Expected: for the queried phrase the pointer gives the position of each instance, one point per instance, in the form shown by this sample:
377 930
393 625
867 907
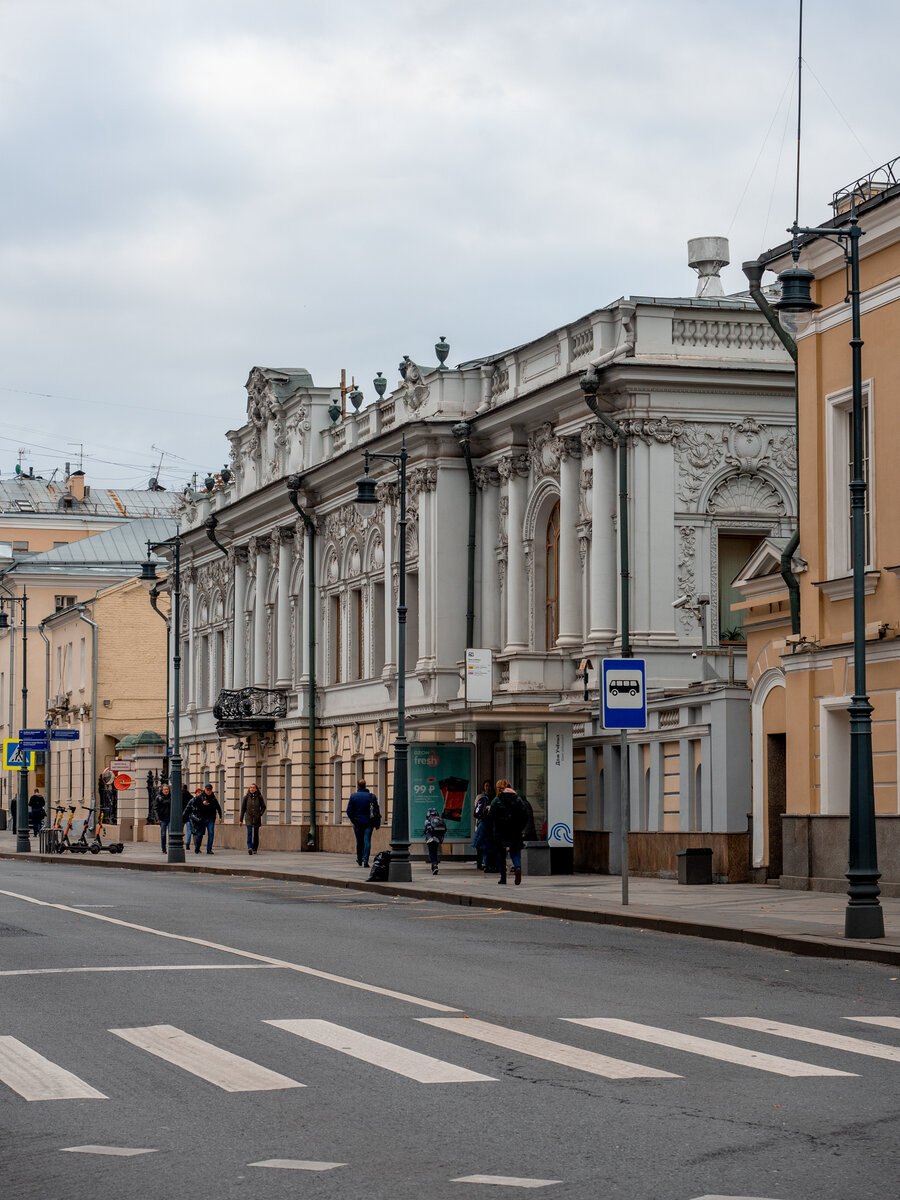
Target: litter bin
695 865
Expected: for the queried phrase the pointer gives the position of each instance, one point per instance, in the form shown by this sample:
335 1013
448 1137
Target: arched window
551 596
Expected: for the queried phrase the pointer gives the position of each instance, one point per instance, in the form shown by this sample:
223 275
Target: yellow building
91 579
802 680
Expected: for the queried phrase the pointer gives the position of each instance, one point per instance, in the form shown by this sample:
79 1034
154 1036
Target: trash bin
695 865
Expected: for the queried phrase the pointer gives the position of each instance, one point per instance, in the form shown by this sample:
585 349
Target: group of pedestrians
199 812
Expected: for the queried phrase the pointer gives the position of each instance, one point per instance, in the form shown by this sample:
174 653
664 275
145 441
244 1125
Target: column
239 624
489 609
285 555
260 625
570 626
189 574
514 469
301 630
387 493
604 554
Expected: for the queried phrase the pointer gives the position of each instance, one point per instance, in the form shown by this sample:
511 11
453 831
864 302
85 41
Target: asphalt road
642 1110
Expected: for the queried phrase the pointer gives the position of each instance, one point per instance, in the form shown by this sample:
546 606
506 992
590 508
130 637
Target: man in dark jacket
207 807
365 815
507 817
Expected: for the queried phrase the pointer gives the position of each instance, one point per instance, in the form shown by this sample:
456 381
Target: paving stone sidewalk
809 923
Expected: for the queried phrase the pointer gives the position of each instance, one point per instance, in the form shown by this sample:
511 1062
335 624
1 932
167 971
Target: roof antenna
799 111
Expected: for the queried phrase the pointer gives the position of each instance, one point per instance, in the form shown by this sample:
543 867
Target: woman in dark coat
252 808
163 813
507 818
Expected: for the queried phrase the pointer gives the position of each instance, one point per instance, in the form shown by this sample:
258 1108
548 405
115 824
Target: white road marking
227 1071
421 1067
262 958
36 1078
817 1037
296 1164
734 1198
884 1022
120 1151
721 1051
179 967
538 1047
506 1181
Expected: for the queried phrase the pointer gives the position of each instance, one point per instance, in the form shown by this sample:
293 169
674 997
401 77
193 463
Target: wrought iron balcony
250 710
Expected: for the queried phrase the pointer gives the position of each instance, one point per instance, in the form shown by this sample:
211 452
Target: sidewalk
809 923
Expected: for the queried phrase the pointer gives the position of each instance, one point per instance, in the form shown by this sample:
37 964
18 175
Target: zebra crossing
27 1072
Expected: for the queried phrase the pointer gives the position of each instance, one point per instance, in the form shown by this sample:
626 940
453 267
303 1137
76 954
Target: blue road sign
64 735
624 693
33 739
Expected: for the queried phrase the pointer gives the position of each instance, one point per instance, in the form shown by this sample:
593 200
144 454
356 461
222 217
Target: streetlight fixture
864 917
148 579
400 870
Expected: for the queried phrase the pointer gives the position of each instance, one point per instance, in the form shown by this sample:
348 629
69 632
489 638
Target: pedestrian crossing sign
14 756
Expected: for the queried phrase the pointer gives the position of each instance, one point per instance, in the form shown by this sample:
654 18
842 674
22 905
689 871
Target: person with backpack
435 830
483 849
365 817
507 818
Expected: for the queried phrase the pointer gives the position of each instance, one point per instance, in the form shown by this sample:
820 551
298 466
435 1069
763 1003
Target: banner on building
442 776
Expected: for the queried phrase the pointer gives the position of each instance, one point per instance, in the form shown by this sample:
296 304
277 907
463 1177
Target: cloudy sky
193 187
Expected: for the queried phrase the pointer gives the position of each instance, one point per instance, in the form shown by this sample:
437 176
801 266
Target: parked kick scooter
97 845
64 843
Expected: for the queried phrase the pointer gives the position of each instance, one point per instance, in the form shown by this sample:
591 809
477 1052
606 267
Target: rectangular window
734 550
377 629
382 789
56 545
356 648
203 699
288 798
334 642
69 657
219 680
412 621
838 474
337 816
671 787
82 661
20 545
61 602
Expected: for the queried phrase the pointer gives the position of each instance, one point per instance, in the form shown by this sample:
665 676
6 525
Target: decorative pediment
745 495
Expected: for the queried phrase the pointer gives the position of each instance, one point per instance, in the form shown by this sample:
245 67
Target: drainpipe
462 433
94 664
294 483
47 722
754 272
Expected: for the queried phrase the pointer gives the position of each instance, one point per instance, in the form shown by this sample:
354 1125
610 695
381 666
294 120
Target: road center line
178 967
261 958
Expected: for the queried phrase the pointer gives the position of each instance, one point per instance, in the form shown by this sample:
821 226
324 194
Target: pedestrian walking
435 830
209 808
190 815
365 816
36 812
164 814
480 812
507 817
253 806
12 812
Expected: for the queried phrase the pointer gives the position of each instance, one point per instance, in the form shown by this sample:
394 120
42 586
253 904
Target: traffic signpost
624 697
14 755
64 735
34 739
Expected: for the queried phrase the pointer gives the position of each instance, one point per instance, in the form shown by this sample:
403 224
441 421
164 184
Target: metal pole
293 485
625 813
176 827
23 843
400 870
864 917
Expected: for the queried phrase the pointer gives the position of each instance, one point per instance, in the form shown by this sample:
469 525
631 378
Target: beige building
70 579
802 681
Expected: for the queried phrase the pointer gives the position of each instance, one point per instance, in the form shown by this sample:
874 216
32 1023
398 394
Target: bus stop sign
624 693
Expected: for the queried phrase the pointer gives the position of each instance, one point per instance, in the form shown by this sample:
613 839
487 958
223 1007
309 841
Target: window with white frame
839 472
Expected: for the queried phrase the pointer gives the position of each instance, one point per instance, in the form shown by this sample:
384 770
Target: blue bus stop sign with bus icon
624 693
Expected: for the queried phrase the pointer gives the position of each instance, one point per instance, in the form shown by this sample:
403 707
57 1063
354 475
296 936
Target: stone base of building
815 853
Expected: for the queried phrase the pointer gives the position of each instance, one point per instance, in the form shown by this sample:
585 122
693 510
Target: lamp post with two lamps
148 579
400 870
864 917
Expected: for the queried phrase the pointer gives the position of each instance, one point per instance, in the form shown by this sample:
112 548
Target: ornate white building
703 393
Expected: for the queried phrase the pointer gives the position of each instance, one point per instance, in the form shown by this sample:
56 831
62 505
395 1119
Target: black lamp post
148 579
864 917
400 868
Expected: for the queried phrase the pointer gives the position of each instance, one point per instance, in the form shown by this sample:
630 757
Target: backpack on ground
380 865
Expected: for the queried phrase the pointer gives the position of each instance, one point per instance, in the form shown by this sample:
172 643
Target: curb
809 946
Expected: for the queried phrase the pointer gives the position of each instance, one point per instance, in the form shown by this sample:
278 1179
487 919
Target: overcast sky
195 187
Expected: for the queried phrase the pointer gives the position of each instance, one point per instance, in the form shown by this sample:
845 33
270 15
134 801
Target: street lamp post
400 869
864 917
23 842
148 578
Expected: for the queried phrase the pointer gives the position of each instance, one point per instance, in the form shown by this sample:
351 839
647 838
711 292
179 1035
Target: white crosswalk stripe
507 1181
36 1078
884 1022
705 1047
421 1067
816 1037
220 1067
538 1047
